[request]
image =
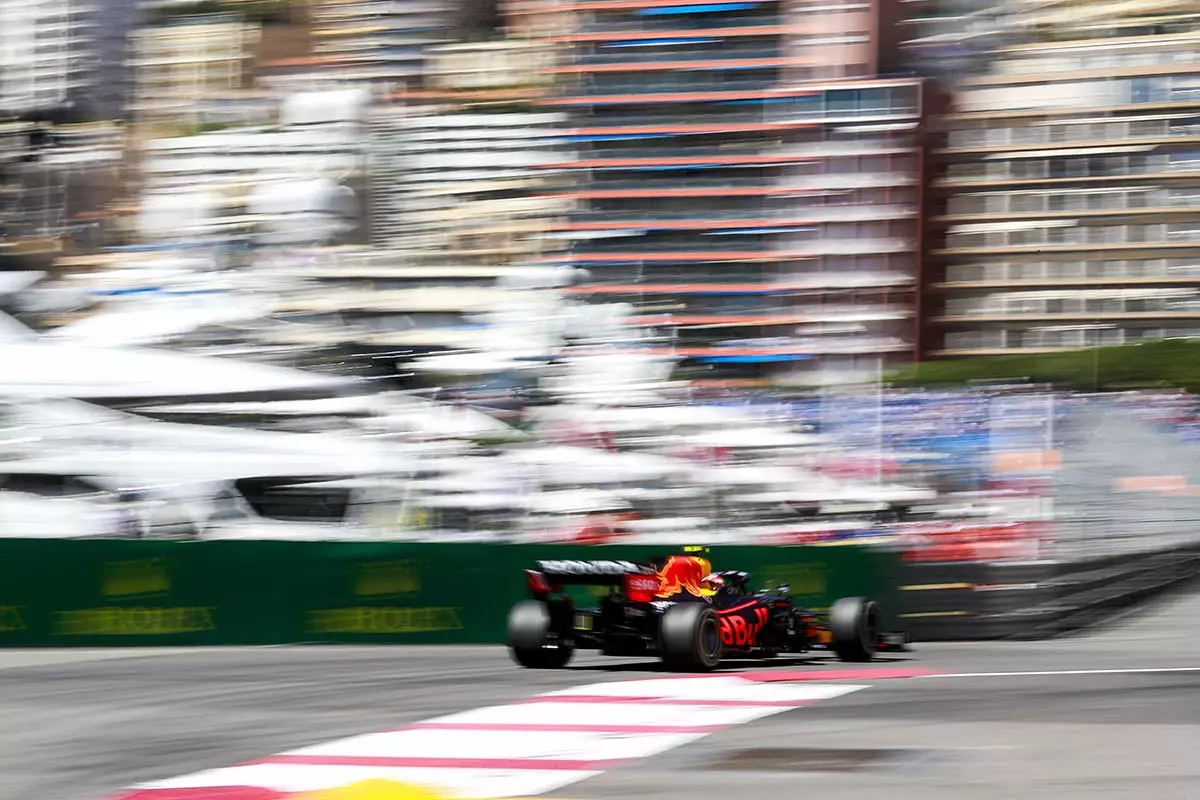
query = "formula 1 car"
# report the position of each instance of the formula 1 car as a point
(676, 608)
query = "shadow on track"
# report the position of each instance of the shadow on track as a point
(739, 665)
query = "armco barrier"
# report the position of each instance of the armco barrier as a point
(947, 601)
(116, 592)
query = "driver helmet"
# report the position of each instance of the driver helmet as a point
(714, 582)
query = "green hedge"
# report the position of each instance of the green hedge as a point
(1167, 362)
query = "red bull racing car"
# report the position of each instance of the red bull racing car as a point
(678, 609)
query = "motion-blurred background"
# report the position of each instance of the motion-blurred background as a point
(653, 271)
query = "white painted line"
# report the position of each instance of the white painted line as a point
(1131, 670)
(729, 689)
(530, 745)
(611, 714)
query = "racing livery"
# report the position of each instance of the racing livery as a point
(678, 609)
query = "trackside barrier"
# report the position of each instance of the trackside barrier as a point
(1031, 600)
(119, 592)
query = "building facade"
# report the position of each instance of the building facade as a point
(65, 55)
(187, 63)
(742, 176)
(460, 195)
(1068, 202)
(264, 184)
(380, 41)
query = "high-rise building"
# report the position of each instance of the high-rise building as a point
(744, 176)
(52, 181)
(57, 55)
(460, 197)
(187, 63)
(460, 164)
(380, 41)
(1068, 203)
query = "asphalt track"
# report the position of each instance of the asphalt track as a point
(79, 725)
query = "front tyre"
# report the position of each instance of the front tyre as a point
(690, 638)
(532, 640)
(854, 628)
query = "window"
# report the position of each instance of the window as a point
(1028, 202)
(1029, 272)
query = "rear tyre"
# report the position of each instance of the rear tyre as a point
(690, 638)
(533, 641)
(854, 628)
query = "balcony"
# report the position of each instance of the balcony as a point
(636, 183)
(1188, 66)
(684, 219)
(686, 113)
(683, 25)
(786, 347)
(712, 61)
(730, 285)
(1094, 318)
(843, 314)
(754, 147)
(833, 114)
(661, 95)
(1143, 175)
(622, 55)
(670, 84)
(1084, 305)
(808, 250)
(542, 7)
(1066, 274)
(809, 184)
(1178, 137)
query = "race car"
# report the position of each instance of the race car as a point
(678, 609)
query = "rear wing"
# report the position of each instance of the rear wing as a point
(590, 573)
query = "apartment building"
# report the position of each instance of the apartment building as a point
(1068, 207)
(53, 181)
(379, 41)
(460, 194)
(65, 54)
(743, 176)
(187, 64)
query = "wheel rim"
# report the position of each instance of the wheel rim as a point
(871, 627)
(710, 637)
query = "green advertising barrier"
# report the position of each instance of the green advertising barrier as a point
(113, 593)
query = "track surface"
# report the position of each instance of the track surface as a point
(80, 724)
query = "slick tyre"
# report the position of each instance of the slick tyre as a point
(690, 638)
(532, 638)
(854, 628)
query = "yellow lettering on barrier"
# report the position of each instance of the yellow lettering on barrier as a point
(134, 621)
(10, 619)
(384, 619)
(144, 577)
(383, 578)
